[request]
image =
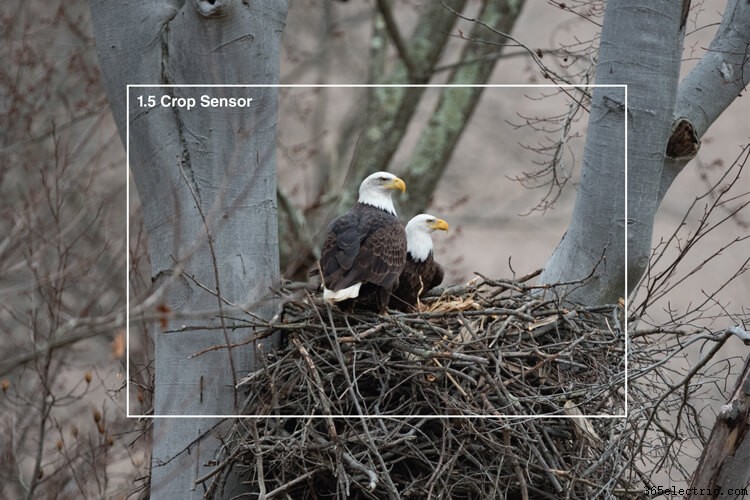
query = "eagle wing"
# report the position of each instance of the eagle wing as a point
(382, 256)
(339, 249)
(416, 277)
(437, 276)
(363, 249)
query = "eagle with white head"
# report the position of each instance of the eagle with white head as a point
(365, 249)
(421, 272)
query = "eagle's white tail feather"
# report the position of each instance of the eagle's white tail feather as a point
(351, 292)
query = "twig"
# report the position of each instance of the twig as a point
(390, 23)
(516, 467)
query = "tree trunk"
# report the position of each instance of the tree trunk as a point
(390, 109)
(456, 105)
(725, 462)
(641, 45)
(206, 179)
(715, 82)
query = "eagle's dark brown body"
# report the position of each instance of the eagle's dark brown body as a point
(366, 245)
(417, 278)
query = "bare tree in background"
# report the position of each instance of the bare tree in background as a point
(383, 119)
(62, 259)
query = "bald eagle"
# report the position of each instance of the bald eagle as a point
(365, 249)
(421, 273)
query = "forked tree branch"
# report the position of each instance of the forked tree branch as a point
(415, 75)
(716, 81)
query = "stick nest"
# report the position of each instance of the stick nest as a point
(467, 393)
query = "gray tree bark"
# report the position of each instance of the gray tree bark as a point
(649, 65)
(641, 45)
(715, 82)
(725, 461)
(207, 184)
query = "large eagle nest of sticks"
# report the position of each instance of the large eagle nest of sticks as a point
(463, 399)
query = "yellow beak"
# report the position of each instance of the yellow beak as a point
(439, 224)
(397, 184)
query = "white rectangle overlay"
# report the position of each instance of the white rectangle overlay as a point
(315, 86)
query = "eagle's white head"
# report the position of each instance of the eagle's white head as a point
(377, 188)
(419, 235)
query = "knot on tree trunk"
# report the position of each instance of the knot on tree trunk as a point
(684, 142)
(211, 8)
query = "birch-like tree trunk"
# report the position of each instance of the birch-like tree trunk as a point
(641, 46)
(207, 183)
(716, 81)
